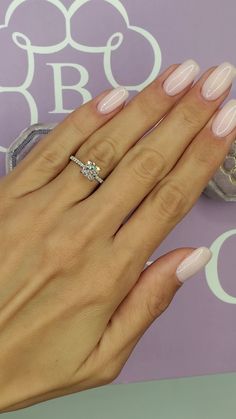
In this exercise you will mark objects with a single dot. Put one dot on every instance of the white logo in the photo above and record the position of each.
(24, 42)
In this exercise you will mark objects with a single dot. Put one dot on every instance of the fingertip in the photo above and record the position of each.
(193, 263)
(113, 100)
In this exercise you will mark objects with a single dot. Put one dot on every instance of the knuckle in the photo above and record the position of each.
(148, 165)
(156, 305)
(6, 193)
(108, 373)
(74, 122)
(51, 158)
(206, 159)
(146, 104)
(59, 252)
(104, 152)
(170, 200)
(189, 115)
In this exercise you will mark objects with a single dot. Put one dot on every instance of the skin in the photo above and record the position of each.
(74, 298)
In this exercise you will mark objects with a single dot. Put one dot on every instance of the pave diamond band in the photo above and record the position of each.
(89, 170)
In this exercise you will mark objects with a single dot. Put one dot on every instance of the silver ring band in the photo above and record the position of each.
(89, 170)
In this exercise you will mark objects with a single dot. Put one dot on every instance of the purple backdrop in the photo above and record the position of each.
(197, 334)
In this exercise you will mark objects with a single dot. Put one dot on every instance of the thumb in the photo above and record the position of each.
(150, 297)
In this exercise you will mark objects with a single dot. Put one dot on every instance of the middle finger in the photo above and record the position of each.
(107, 146)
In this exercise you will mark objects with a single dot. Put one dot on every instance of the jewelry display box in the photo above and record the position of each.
(222, 186)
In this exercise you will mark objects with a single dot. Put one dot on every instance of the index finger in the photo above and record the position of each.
(51, 154)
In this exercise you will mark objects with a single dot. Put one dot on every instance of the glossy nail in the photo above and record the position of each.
(112, 100)
(181, 77)
(193, 263)
(218, 81)
(225, 121)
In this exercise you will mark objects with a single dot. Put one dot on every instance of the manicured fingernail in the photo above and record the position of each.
(225, 120)
(193, 263)
(112, 100)
(218, 81)
(184, 74)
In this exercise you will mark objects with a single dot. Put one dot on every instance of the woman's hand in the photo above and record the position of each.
(74, 299)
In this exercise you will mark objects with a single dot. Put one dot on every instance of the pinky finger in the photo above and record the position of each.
(147, 300)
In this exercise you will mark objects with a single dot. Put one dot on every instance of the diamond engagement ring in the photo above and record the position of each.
(89, 170)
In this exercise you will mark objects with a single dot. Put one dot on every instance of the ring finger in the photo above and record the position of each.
(108, 145)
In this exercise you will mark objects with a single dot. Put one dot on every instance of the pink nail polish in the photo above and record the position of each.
(184, 74)
(225, 120)
(193, 263)
(112, 100)
(218, 81)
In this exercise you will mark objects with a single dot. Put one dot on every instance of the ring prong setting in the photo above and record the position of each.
(90, 170)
